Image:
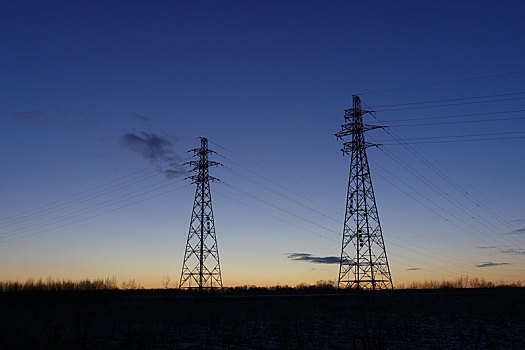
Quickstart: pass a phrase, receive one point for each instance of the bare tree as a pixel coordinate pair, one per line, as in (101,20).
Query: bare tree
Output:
(166,281)
(131,284)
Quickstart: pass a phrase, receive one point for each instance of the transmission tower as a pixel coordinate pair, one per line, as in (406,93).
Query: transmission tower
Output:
(363,264)
(201,268)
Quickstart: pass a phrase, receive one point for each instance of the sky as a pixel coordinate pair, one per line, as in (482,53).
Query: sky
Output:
(100,101)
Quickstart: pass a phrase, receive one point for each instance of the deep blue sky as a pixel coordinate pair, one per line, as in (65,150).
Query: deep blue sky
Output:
(269,81)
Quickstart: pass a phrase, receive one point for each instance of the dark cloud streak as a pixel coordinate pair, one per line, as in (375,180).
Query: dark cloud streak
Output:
(314,259)
(520,231)
(491,264)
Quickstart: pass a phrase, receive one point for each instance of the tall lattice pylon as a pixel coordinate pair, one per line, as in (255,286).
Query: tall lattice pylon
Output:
(201,268)
(363,264)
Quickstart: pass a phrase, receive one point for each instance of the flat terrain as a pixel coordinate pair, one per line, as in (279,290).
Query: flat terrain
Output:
(156,319)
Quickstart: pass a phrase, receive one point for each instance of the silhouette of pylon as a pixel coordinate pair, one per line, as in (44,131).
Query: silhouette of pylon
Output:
(363,264)
(201,268)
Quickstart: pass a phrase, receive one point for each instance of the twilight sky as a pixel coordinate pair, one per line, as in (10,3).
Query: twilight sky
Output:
(100,100)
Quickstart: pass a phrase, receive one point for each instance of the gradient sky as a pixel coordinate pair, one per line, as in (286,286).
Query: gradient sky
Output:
(267,82)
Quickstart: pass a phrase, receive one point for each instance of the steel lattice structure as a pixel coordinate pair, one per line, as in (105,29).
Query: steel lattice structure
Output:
(363,264)
(201,268)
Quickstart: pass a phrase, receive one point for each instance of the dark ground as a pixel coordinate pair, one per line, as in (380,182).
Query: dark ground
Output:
(152,319)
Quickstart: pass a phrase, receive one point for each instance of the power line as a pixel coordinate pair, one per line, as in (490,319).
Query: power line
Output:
(50,209)
(427,265)
(81,212)
(426,206)
(459,188)
(454,116)
(477,121)
(391,175)
(315,233)
(450,104)
(86,195)
(281,185)
(440,270)
(287,188)
(441,83)
(445,270)
(71,196)
(89,217)
(460,136)
(454,141)
(437,171)
(277,207)
(280,194)
(292,181)
(451,200)
(451,99)
(333,230)
(274,216)
(442,194)
(467,194)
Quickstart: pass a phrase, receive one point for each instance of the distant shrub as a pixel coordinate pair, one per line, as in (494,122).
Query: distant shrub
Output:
(320,287)
(52,285)
(461,282)
(131,284)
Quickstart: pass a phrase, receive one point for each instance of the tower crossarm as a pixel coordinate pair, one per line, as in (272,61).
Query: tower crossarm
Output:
(350,146)
(350,129)
(356,111)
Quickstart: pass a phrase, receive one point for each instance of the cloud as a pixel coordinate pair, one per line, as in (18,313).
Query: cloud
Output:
(516,251)
(314,259)
(491,264)
(414,269)
(32,116)
(506,250)
(148,145)
(141,118)
(61,117)
(520,231)
(176,171)
(154,148)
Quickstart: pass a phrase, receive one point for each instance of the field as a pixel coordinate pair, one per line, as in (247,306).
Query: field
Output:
(492,318)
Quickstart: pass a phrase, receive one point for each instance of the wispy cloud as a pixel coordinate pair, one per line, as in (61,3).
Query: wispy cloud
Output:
(491,264)
(61,117)
(31,116)
(154,148)
(506,250)
(148,145)
(517,251)
(141,118)
(314,259)
(520,231)
(414,269)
